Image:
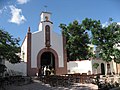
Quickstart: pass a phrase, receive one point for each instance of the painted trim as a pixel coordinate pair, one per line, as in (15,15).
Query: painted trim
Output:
(45,12)
(28,52)
(47,21)
(64,54)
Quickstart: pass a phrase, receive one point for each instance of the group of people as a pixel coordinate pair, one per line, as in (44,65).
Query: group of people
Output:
(46,70)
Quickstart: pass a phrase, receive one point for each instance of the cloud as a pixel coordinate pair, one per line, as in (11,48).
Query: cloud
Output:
(22,1)
(17,16)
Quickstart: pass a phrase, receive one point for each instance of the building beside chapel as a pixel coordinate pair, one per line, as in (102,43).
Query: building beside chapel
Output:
(44,48)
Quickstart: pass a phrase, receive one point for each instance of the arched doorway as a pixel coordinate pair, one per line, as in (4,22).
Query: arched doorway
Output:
(48,62)
(102,69)
(48,59)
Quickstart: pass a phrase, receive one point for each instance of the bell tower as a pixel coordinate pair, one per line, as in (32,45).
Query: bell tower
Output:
(46,26)
(45,19)
(45,16)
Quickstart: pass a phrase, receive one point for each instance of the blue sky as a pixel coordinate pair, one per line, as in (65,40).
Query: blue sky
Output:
(17,15)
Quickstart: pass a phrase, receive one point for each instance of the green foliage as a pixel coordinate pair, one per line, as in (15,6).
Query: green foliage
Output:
(95,65)
(9,47)
(105,38)
(77,40)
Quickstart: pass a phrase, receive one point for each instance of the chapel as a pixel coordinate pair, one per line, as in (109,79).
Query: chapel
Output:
(44,49)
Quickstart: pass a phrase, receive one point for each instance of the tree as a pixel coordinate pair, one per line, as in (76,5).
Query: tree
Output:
(77,40)
(105,38)
(9,47)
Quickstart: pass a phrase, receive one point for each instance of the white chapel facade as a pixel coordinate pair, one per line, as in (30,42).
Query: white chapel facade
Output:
(44,48)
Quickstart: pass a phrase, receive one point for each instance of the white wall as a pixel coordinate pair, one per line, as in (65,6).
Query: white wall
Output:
(79,66)
(24,50)
(57,45)
(19,67)
(36,45)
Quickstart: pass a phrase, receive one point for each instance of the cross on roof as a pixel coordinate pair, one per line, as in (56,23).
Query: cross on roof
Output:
(45,8)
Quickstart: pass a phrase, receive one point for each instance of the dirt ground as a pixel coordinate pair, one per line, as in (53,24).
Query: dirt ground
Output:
(37,85)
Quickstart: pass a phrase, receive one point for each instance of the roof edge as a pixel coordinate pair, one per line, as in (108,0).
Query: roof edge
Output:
(45,12)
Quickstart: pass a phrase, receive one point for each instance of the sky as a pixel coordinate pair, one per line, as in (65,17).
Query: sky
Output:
(17,15)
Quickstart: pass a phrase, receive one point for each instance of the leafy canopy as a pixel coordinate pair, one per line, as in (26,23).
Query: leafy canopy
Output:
(9,47)
(77,40)
(106,38)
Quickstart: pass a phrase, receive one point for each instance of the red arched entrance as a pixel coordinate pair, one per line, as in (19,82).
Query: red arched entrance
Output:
(46,52)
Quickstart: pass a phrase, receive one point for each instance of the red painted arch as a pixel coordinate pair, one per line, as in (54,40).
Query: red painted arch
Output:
(47,50)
